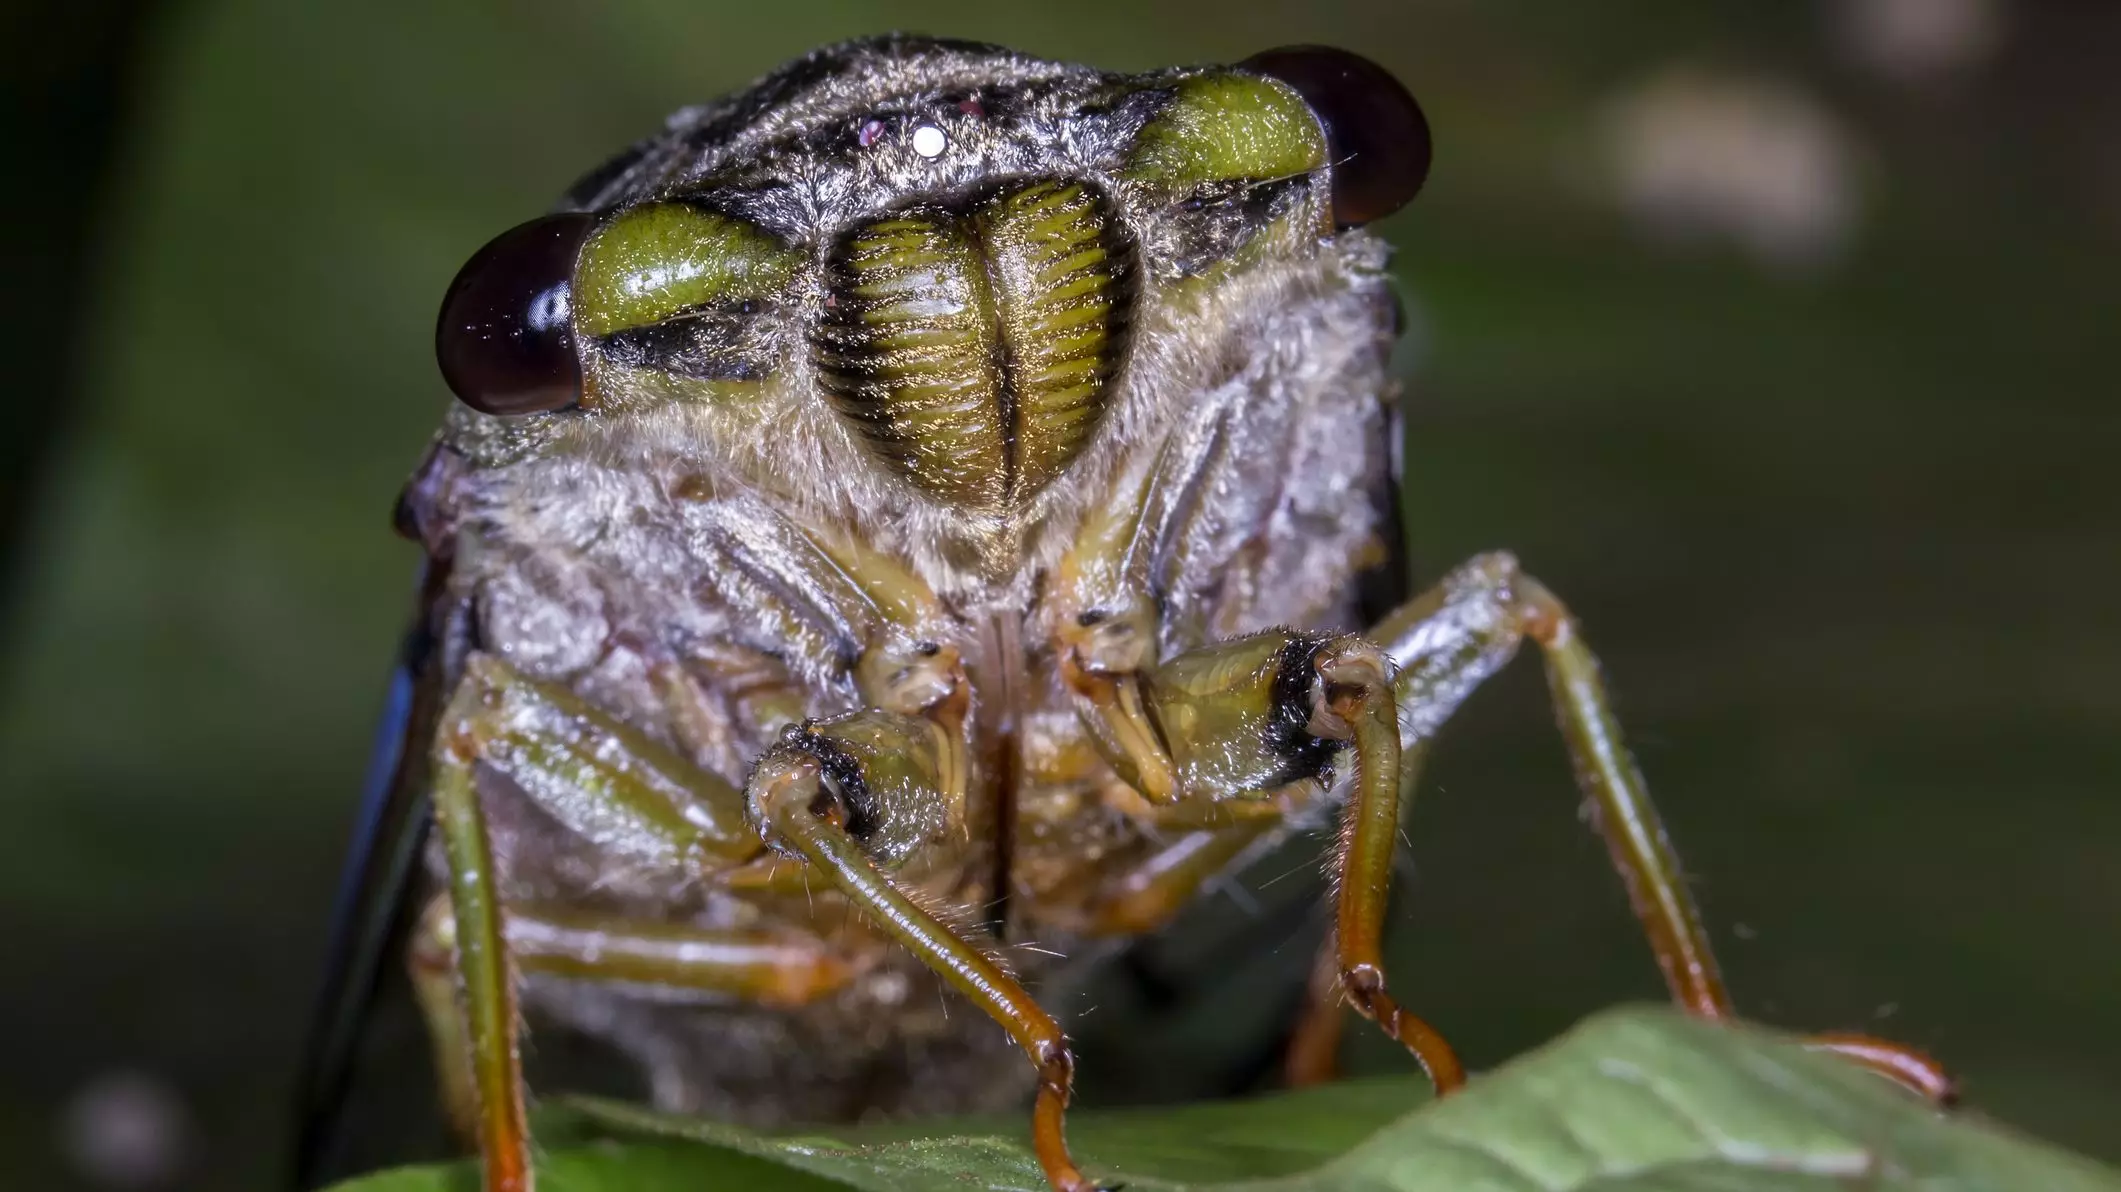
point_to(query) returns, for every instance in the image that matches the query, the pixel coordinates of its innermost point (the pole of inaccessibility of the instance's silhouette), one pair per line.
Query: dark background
(1775, 336)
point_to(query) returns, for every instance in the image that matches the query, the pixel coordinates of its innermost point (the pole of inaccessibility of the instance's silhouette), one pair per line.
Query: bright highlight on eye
(929, 141)
(503, 339)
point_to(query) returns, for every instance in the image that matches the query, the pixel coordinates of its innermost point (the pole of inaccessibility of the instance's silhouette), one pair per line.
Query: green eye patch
(1223, 127)
(659, 261)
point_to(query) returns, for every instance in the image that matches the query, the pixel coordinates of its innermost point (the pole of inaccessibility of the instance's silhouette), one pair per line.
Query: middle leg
(772, 968)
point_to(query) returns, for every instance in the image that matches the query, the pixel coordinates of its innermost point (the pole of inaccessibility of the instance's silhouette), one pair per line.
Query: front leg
(644, 805)
(1244, 733)
(1444, 644)
(594, 774)
(841, 794)
(1357, 693)
(1208, 740)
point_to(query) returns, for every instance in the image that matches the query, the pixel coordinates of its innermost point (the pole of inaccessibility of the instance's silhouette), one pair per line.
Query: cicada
(909, 509)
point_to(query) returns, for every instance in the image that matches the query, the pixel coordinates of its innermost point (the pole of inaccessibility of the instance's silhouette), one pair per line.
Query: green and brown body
(940, 553)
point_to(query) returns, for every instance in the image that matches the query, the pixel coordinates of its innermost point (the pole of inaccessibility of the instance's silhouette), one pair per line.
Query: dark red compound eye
(505, 341)
(1376, 136)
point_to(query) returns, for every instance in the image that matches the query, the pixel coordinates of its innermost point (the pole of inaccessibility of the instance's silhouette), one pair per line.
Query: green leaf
(1633, 1100)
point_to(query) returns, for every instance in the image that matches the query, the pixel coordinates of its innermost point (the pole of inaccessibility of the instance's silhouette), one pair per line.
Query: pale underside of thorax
(1249, 468)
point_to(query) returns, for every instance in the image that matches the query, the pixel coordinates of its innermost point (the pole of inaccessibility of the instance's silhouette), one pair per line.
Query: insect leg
(1312, 1056)
(772, 968)
(589, 772)
(767, 968)
(1244, 728)
(488, 987)
(1357, 692)
(1148, 896)
(813, 795)
(1446, 641)
(431, 958)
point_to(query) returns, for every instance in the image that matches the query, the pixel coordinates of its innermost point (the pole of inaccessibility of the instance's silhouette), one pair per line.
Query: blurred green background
(1777, 337)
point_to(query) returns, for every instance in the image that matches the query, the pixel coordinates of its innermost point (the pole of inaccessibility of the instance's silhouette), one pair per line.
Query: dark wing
(372, 912)
(373, 909)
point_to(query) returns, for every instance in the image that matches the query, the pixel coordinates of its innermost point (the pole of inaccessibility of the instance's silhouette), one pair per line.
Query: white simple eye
(929, 141)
